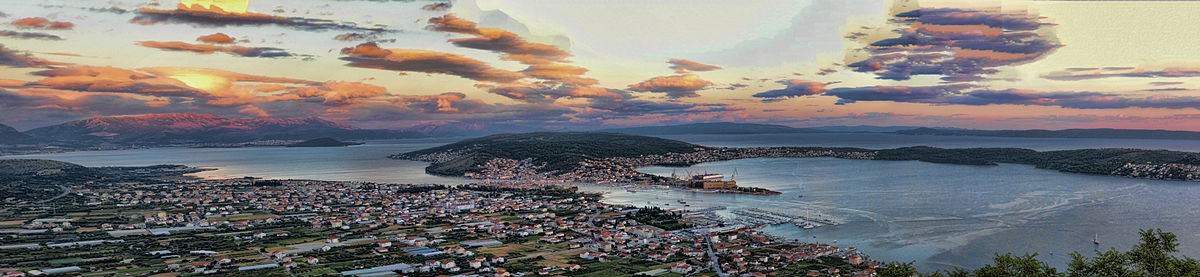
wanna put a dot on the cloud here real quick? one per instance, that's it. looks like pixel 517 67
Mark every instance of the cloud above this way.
pixel 795 88
pixel 42 23
pixel 218 87
pixel 220 38
pixel 601 109
pixel 675 86
pixel 1165 83
pixel 29 35
pixel 218 17
pixel 254 52
pixel 17 59
pixel 254 111
pixel 536 93
pixel 337 93
pixel 369 55
pixel 450 106
pixel 1127 72
pixel 437 7
pixel 513 46
pixel 682 66
pixel 453 24
pixel 958 44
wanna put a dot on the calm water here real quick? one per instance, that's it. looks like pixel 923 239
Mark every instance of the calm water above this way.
pixel 942 216
pixel 367 162
pixel 937 215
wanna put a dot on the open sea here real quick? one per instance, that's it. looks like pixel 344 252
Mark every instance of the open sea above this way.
pixel 938 216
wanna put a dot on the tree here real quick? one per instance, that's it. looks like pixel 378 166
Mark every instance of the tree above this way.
pixel 1025 266
pixel 1152 257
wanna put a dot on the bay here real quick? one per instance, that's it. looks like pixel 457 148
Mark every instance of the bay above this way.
pixel 936 215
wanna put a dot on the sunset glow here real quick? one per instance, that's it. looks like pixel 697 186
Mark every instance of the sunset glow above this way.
pixel 547 64
pixel 229 6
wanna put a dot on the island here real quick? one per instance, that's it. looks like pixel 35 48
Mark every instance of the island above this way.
pixel 597 157
pixel 323 142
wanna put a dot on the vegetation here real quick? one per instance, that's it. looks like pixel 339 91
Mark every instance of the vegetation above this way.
pixel 564 152
pixel 1152 257
pixel 658 217
pixel 716 128
pixel 1091 161
pixel 558 151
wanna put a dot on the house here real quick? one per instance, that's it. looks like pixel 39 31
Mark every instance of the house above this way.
pixel 681 268
pixel 313 260
pixel 326 247
pixel 224 260
pixel 332 240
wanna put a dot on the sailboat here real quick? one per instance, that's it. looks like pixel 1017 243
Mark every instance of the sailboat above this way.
pixel 1096 239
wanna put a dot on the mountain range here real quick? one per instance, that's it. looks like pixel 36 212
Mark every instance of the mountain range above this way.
pixel 716 128
pixel 10 136
pixel 192 128
pixel 1067 133
pixel 205 129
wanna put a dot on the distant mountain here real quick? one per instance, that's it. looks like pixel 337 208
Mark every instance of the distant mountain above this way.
pixel 191 128
pixel 868 128
pixel 10 136
pixel 716 128
pixel 1068 133
pixel 323 142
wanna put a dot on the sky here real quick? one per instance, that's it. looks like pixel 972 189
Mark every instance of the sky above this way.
pixel 580 65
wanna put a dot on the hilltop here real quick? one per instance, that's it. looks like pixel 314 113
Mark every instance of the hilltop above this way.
pixel 11 136
pixel 715 128
pixel 557 151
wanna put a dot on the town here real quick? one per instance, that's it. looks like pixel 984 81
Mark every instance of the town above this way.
pixel 249 226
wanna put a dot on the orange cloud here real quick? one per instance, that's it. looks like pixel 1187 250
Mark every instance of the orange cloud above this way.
pixel 512 45
pixel 262 52
pixel 254 111
pixel 336 93
pixel 368 55
pixel 216 38
pixel 42 23
pixel 674 86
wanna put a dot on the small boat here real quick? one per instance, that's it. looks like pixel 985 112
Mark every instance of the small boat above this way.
pixel 1096 239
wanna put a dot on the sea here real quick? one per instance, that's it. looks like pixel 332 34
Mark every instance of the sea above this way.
pixel 937 216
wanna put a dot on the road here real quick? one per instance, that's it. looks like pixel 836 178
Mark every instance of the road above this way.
pixel 65 190
pixel 713 255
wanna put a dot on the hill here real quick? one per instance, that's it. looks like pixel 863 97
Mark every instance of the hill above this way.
pixel 1067 133
pixel 190 128
pixel 557 151
pixel 11 136
pixel 24 167
pixel 716 128
pixel 610 156
pixel 323 142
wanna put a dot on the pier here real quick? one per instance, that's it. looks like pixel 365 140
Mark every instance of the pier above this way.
pixel 756 216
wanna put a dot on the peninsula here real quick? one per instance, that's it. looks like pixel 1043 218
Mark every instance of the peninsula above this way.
pixel 614 158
